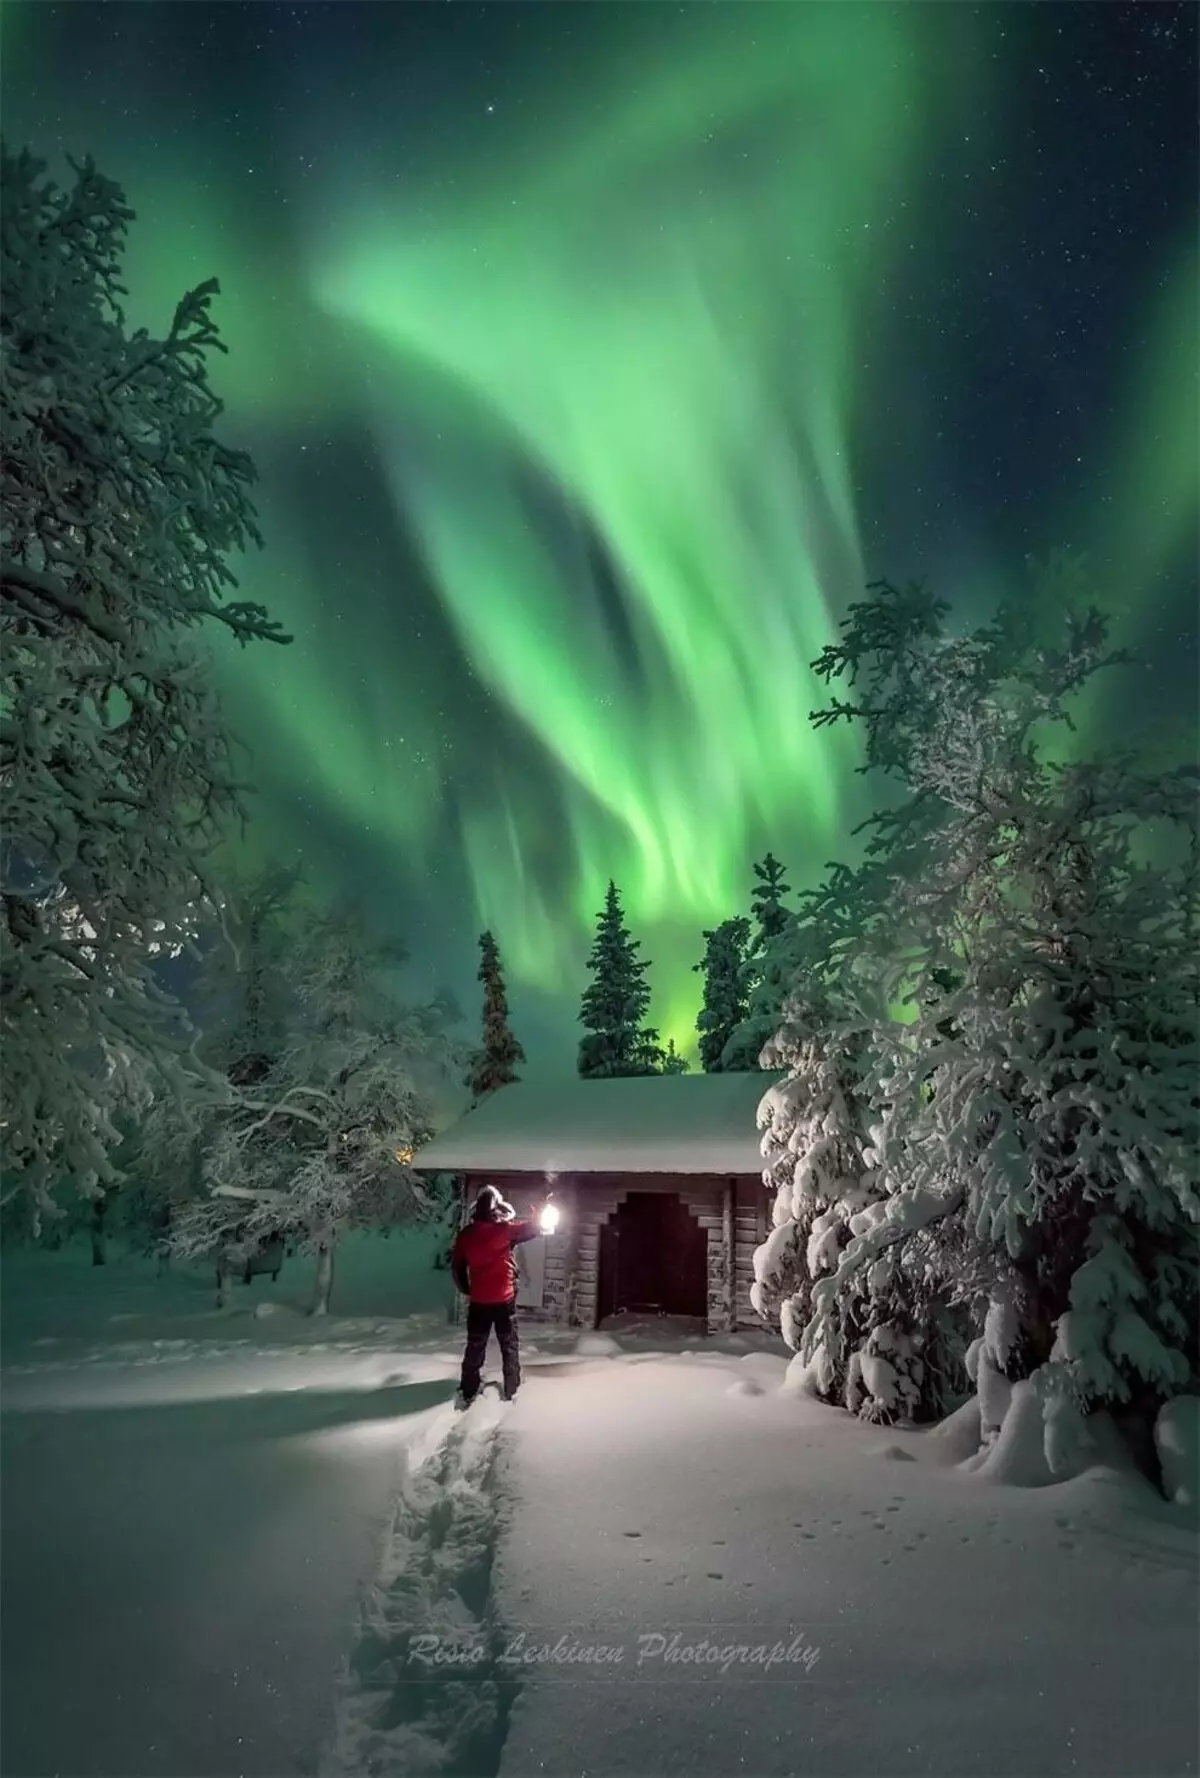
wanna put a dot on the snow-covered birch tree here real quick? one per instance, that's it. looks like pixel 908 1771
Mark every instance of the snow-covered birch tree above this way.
pixel 243 1001
pixel 323 1138
pixel 119 512
pixel 245 995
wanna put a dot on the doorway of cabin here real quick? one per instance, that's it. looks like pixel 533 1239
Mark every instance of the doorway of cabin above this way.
pixel 653 1259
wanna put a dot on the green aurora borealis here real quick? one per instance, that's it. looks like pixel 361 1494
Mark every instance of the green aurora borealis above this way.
pixel 590 374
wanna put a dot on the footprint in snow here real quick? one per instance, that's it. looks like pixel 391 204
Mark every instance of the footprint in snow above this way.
pixel 631 1534
pixel 715 1574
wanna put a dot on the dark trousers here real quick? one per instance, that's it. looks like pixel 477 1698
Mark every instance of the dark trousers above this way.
pixel 481 1319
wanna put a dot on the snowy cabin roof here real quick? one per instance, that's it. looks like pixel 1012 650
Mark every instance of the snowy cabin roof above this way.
pixel 666 1123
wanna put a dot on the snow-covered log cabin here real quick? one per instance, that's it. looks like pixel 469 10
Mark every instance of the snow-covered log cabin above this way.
pixel 659 1180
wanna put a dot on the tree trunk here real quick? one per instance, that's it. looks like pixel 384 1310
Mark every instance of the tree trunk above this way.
pixel 224 1281
pixel 98 1253
pixel 324 1274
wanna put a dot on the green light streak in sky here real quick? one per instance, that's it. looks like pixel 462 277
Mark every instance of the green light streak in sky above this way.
pixel 1142 515
pixel 673 350
pixel 1154 469
pixel 617 347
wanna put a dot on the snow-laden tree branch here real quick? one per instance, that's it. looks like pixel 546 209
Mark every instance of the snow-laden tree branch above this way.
pixel 1031 1127
pixel 339 1075
pixel 120 512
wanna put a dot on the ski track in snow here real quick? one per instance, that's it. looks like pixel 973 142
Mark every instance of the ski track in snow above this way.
pixel 397 1712
pixel 657 1490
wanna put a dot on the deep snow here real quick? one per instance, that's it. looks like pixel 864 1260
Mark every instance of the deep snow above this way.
pixel 268 1546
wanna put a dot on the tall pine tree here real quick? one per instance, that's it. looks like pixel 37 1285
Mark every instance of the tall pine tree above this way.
pixel 766 969
pixel 616 1002
pixel 766 903
pixel 725 996
pixel 495 1063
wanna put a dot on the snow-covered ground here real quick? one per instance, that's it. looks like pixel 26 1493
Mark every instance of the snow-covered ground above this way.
pixel 265 1545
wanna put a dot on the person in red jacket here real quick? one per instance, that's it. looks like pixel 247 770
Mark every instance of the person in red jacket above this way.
pixel 484 1268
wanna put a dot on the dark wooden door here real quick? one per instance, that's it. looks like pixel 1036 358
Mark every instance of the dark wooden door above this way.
pixel 653 1258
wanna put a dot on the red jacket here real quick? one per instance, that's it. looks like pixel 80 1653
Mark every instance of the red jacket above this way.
pixel 482 1260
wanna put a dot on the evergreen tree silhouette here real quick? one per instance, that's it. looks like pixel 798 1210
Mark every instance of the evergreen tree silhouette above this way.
pixel 725 995
pixel 495 1063
pixel 615 1002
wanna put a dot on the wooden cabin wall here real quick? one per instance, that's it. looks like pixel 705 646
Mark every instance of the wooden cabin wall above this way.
pixel 752 1223
pixel 597 1197
pixel 720 1204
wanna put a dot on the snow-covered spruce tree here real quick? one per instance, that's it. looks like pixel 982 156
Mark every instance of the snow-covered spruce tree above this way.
pixel 494 1064
pixel 670 1060
pixel 767 969
pixel 766 983
pixel 1041 1115
pixel 813 1143
pixel 324 1140
pixel 879 1344
pixel 119 509
pixel 615 1002
pixel 724 1007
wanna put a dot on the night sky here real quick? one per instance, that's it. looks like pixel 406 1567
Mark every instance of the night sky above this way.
pixel 593 357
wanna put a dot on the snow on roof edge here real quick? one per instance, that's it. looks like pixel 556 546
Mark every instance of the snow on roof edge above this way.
pixel 647 1124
